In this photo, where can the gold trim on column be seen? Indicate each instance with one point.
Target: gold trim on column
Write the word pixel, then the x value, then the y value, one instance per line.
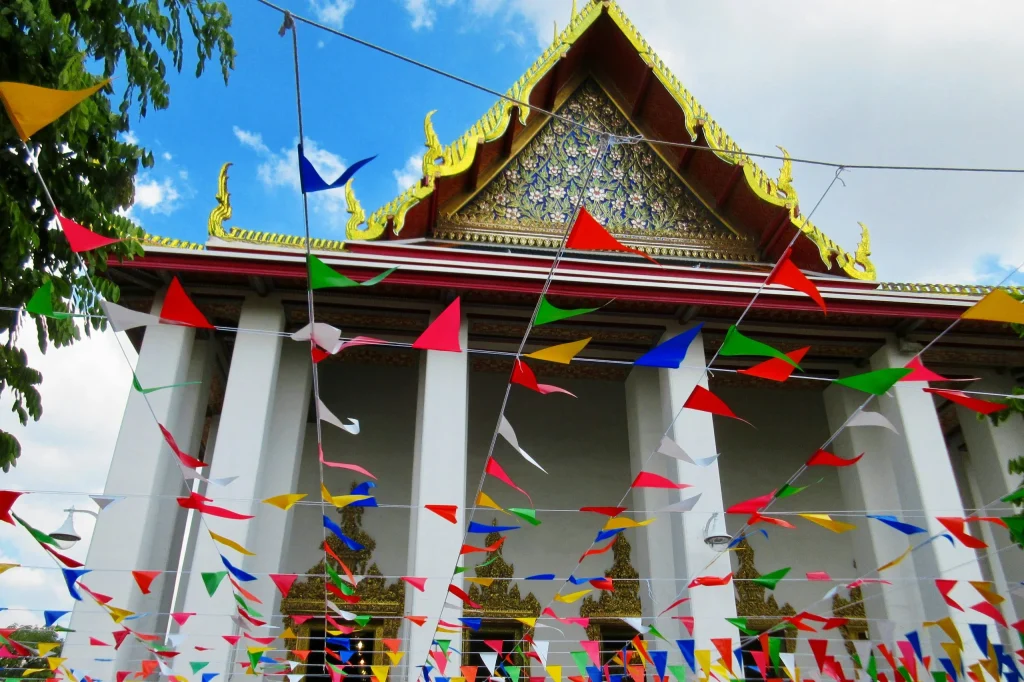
pixel 761 614
pixel 623 601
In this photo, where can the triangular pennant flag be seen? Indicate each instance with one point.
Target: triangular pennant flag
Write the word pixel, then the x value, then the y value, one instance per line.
pixel 41 303
pixel 228 542
pixel 893 522
pixel 524 376
pixel 284 581
pixel 736 343
pixel 310 180
pixel 775 369
pixel 771 580
pixel 996 306
pixel 380 672
pixel 492 468
pixel 703 400
pixel 417 583
pixel 826 521
pixel 827 459
pixel 7 500
pixel 323 276
pixel 789 275
pixel 145 579
pixel 563 353
pixel 505 430
pixel 51 617
pixel 956 526
pixel 284 502
pixel 445 511
pixel 32 108
pixel 975 404
pixel 443 333
pixel 547 312
pixel 920 372
pixel 122 319
pixel 647 479
pixel 327 416
pixel 178 308
pixel 181 618
pixel 863 418
pixel 876 382
pixel 589 235
pixel 81 238
pixel 71 576
pixel 669 354
pixel 212 580
pixel 683 505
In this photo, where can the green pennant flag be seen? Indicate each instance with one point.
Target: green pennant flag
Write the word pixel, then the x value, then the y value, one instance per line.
pixel 678 671
pixel 549 313
pixel 774 649
pixel 528 515
pixel 245 605
pixel 335 669
pixel 653 630
pixel 460 569
pixel 41 303
pixel 737 344
pixel 741 623
pixel 335 578
pixel 787 490
pixel 876 382
pixel 198 665
pixel 213 580
pixel 1015 524
pixel 872 670
pixel 254 659
pixel 39 535
pixel 1015 496
pixel 347 589
pixel 513 671
pixel 939 676
pixel 905 674
pixel 444 644
pixel 771 580
pixel 138 387
pixel 488 562
pixel 323 276
pixel 582 660
pixel 362 620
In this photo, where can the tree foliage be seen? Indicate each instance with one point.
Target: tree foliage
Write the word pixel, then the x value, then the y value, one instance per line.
pixel 72 44
pixel 1015 465
pixel 29 637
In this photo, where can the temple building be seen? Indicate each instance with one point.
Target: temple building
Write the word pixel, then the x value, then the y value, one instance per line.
pixel 483 225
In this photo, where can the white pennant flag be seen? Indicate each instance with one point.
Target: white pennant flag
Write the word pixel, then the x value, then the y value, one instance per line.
pixel 321 333
pixel 637 625
pixel 294 678
pixel 863 649
pixel 684 505
pixel 789 664
pixel 176 639
pixel 871 419
pixel 121 318
pixel 490 659
pixel 328 416
pixel 672 449
pixel 541 648
pixel 241 623
pixel 104 501
pixel 505 429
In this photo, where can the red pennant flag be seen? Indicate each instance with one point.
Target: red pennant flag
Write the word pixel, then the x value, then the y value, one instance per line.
pixel 607 511
pixel 724 646
pixel 97 642
pixel 956 527
pixel 418 583
pixel 145 579
pixel 419 620
pixel 284 581
pixel 301 653
pixel 673 605
pixel 819 648
pixel 710 581
pixel 762 663
pixel 789 275
pixel 990 611
pixel 705 401
pixel 318 354
pixel 186 459
pixel 64 559
pixel 201 504
pixel 757 518
pixel 119 637
pixel 605 584
pixel 646 479
pixel 598 550
pixel 494 469
pixel 7 500
pixel 120 675
pixel 469 672
pixel 82 238
pixel 445 511
pixel 776 369
pixel 494 644
pixel 524 376
pixel 149 667
pixel 232 639
pixel 181 617
pixel 178 308
pixel 589 235
pixel 443 332
pixel 751 506
pixel 818 575
pixel 833 623
pixel 821 458
pixel 470 549
pixel 887 654
pixel 921 373
pixel 687 621
pixel 975 404
pixel 440 659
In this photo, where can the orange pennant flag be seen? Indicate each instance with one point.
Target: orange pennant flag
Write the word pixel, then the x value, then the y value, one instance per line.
pixel 563 353
pixel 996 306
pixel 32 108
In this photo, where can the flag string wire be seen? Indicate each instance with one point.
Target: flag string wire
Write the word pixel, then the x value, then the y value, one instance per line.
pixel 639 138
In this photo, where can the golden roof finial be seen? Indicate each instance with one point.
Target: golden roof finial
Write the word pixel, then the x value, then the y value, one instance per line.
pixel 435 152
pixel 573 14
pixel 220 213
pixel 785 182
pixel 555 37
pixel 354 208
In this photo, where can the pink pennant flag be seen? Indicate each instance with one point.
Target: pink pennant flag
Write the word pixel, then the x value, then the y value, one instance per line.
pixel 687 621
pixel 97 642
pixel 418 583
pixel 593 649
pixel 232 639
pixel 818 575
pixel 299 620
pixel 921 373
pixel 646 479
pixel 440 659
pixel 443 332
pixel 343 465
pixel 181 618
pixel 284 581
pixel 524 376
pixel 674 604
pixel 82 238
pixel 494 469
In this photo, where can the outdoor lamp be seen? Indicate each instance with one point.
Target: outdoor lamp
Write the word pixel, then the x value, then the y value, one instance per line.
pixel 66 536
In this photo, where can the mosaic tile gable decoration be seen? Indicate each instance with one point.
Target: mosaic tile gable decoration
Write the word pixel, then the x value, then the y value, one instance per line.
pixel 632 191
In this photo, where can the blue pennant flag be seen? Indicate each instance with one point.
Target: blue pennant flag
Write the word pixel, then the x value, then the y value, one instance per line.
pixel 336 529
pixel 237 572
pixel 579 581
pixel 893 522
pixel 51 617
pixel 364 489
pixel 311 180
pixel 947 664
pixel 595 674
pixel 669 354
pixel 426 672
pixel 472 623
pixel 687 647
pixel 484 529
pixel 540 576
pixel 606 534
pixel 915 642
pixel 209 676
pixel 660 659
pixel 980 633
pixel 71 576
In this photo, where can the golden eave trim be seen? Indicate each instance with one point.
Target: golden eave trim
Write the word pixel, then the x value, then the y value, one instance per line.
pixel 953 289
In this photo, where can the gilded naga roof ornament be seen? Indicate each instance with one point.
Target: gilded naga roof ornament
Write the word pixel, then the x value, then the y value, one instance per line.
pixel 785 181
pixel 354 209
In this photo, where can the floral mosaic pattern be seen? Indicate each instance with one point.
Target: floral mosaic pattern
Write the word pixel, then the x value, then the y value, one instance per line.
pixel 631 191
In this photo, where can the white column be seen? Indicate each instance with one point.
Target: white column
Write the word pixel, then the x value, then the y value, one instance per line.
pixel 925 481
pixel 244 429
pixel 135 533
pixel 870 485
pixel 672 549
pixel 990 449
pixel 438 477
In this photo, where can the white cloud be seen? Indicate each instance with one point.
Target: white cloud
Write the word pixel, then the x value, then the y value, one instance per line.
pixel 67 454
pixel 410 174
pixel 252 140
pixel 130 137
pixel 332 11
pixel 156 196
pixel 320 44
pixel 167 156
pixel 423 12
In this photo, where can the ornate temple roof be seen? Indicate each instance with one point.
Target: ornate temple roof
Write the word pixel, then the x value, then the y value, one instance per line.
pixel 700 197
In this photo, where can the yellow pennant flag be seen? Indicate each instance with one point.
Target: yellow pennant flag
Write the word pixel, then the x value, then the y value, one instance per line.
pixel 484 500
pixel 325 494
pixel 563 353
pixel 7 567
pixel 949 628
pixel 46 647
pixel 570 598
pixel 897 561
pixel 32 108
pixel 996 306
pixel 380 672
pixel 284 502
pixel 720 671
pixel 486 582
pixel 27 672
pixel 287 634
pixel 258 649
pixel 978 675
pixel 555 671
pixel 55 662
pixel 953 653
pixel 703 657
pixel 528 622
pixel 340 501
pixel 395 656
pixel 228 542
pixel 617 522
pixel 987 591
pixel 119 614
pixel 825 521
pixel 68 674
